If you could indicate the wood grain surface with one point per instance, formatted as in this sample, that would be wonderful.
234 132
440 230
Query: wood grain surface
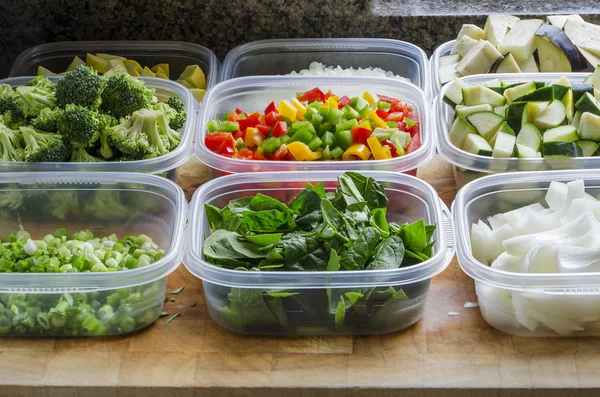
440 356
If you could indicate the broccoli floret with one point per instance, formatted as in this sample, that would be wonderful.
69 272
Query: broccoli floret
80 126
39 93
10 144
105 149
63 203
80 155
47 120
129 138
43 146
81 86
106 201
166 131
11 104
176 103
176 118
124 94
11 199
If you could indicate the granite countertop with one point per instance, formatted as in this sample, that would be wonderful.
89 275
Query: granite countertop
224 25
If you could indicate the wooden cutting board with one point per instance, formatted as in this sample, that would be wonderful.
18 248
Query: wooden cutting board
441 356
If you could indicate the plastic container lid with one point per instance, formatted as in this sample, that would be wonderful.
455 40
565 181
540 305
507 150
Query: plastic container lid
169 224
57 56
156 165
460 158
232 186
517 185
255 93
282 56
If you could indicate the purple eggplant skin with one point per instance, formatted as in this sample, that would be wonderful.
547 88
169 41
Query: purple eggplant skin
560 39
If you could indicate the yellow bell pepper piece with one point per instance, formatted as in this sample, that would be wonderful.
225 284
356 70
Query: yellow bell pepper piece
302 152
369 98
377 150
365 124
388 151
253 137
163 66
332 102
287 110
300 109
377 120
357 150
259 151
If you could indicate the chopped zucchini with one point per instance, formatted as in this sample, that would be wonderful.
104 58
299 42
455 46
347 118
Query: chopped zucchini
563 133
486 123
588 148
454 94
589 126
501 110
511 94
459 131
576 119
540 94
525 152
477 145
569 105
479 94
530 136
553 116
561 150
580 89
504 146
534 109
464 111
517 115
587 103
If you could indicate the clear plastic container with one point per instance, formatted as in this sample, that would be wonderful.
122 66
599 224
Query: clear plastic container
255 93
526 304
57 56
166 164
309 312
468 166
283 56
131 204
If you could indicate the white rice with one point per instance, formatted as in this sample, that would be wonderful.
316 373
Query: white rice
319 69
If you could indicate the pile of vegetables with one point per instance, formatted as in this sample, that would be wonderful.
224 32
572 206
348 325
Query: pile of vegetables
74 314
527 120
561 237
318 126
345 230
84 117
192 76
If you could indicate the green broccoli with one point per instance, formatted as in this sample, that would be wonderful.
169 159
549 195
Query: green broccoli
37 94
11 104
10 144
80 126
11 199
107 201
47 120
43 146
173 109
81 155
129 137
124 94
166 131
63 203
81 86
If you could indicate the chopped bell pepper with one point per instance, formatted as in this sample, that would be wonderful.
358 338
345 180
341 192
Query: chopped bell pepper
263 129
348 125
414 144
270 145
253 137
377 120
358 151
272 118
343 102
344 139
300 109
360 135
279 129
332 103
251 121
271 108
220 143
337 153
312 95
223 126
302 152
393 148
382 113
377 150
369 98
287 110
365 124
279 154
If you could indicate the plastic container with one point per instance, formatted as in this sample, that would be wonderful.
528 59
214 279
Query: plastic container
57 56
506 299
283 56
255 93
468 167
308 312
166 164
41 203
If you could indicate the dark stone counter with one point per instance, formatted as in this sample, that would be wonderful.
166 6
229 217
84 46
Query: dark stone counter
222 25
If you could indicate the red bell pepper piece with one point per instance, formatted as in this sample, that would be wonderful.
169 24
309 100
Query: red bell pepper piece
360 135
272 118
251 121
327 95
244 152
233 116
414 144
216 139
239 134
343 102
393 149
397 105
279 154
279 129
414 130
239 111
395 116
263 129
312 95
382 114
271 108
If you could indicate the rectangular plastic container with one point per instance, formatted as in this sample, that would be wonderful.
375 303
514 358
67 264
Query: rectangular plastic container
468 166
526 304
131 204
308 312
57 56
166 164
283 56
255 93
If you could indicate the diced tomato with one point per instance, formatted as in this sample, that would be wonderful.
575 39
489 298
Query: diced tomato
251 121
393 150
216 139
361 135
312 95
414 144
414 130
271 108
343 102
272 118
395 116
382 114
263 129
233 116
279 129
279 154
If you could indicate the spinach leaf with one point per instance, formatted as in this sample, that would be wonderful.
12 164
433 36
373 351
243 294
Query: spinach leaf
305 202
319 188
350 193
214 216
260 202
333 265
356 256
245 248
304 252
231 221
429 230
414 236
239 205
388 254
378 220
372 191
248 308
264 239
340 315
267 221
334 218
217 246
